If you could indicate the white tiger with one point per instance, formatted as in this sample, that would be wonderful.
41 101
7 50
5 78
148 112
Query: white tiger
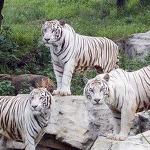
24 117
71 51
124 92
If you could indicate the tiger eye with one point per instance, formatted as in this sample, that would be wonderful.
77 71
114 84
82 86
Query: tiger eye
91 90
106 94
44 30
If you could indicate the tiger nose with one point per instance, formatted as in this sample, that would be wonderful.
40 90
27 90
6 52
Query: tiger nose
34 106
97 100
46 39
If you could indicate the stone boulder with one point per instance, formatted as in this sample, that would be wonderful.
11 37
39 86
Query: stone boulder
76 122
141 123
136 46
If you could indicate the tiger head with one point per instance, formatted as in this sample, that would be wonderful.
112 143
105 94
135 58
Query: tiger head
97 90
40 101
52 31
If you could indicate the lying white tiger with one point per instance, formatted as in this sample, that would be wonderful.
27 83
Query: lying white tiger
124 92
71 51
24 117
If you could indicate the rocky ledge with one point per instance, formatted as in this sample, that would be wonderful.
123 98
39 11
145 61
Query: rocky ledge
138 142
136 46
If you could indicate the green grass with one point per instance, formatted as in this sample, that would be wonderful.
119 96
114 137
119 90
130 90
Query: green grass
88 17
91 17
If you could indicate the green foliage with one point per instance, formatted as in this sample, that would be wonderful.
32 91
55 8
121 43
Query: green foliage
8 50
133 64
90 17
132 3
6 88
78 81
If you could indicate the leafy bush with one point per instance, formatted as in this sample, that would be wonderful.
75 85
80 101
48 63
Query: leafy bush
8 49
6 88
133 64
78 81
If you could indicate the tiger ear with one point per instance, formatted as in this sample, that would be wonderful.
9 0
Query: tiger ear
106 77
62 22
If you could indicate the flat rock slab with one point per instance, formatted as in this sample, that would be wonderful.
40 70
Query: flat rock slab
139 142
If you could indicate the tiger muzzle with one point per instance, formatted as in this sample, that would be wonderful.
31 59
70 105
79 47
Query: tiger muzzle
97 100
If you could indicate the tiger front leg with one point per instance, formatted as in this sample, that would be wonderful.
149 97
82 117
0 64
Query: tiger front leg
30 147
66 79
29 143
116 125
58 70
127 117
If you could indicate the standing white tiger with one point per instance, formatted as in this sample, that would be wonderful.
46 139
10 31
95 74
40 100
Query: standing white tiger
24 117
124 92
71 51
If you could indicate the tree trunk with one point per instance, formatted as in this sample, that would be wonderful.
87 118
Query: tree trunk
1 7
120 6
120 3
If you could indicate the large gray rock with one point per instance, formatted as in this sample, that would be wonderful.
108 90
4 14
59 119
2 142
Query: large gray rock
76 122
137 45
141 123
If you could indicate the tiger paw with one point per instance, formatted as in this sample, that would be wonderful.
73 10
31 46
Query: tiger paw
110 136
65 92
56 92
117 137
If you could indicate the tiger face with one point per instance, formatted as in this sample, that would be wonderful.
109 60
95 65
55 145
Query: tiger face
52 31
97 90
40 101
